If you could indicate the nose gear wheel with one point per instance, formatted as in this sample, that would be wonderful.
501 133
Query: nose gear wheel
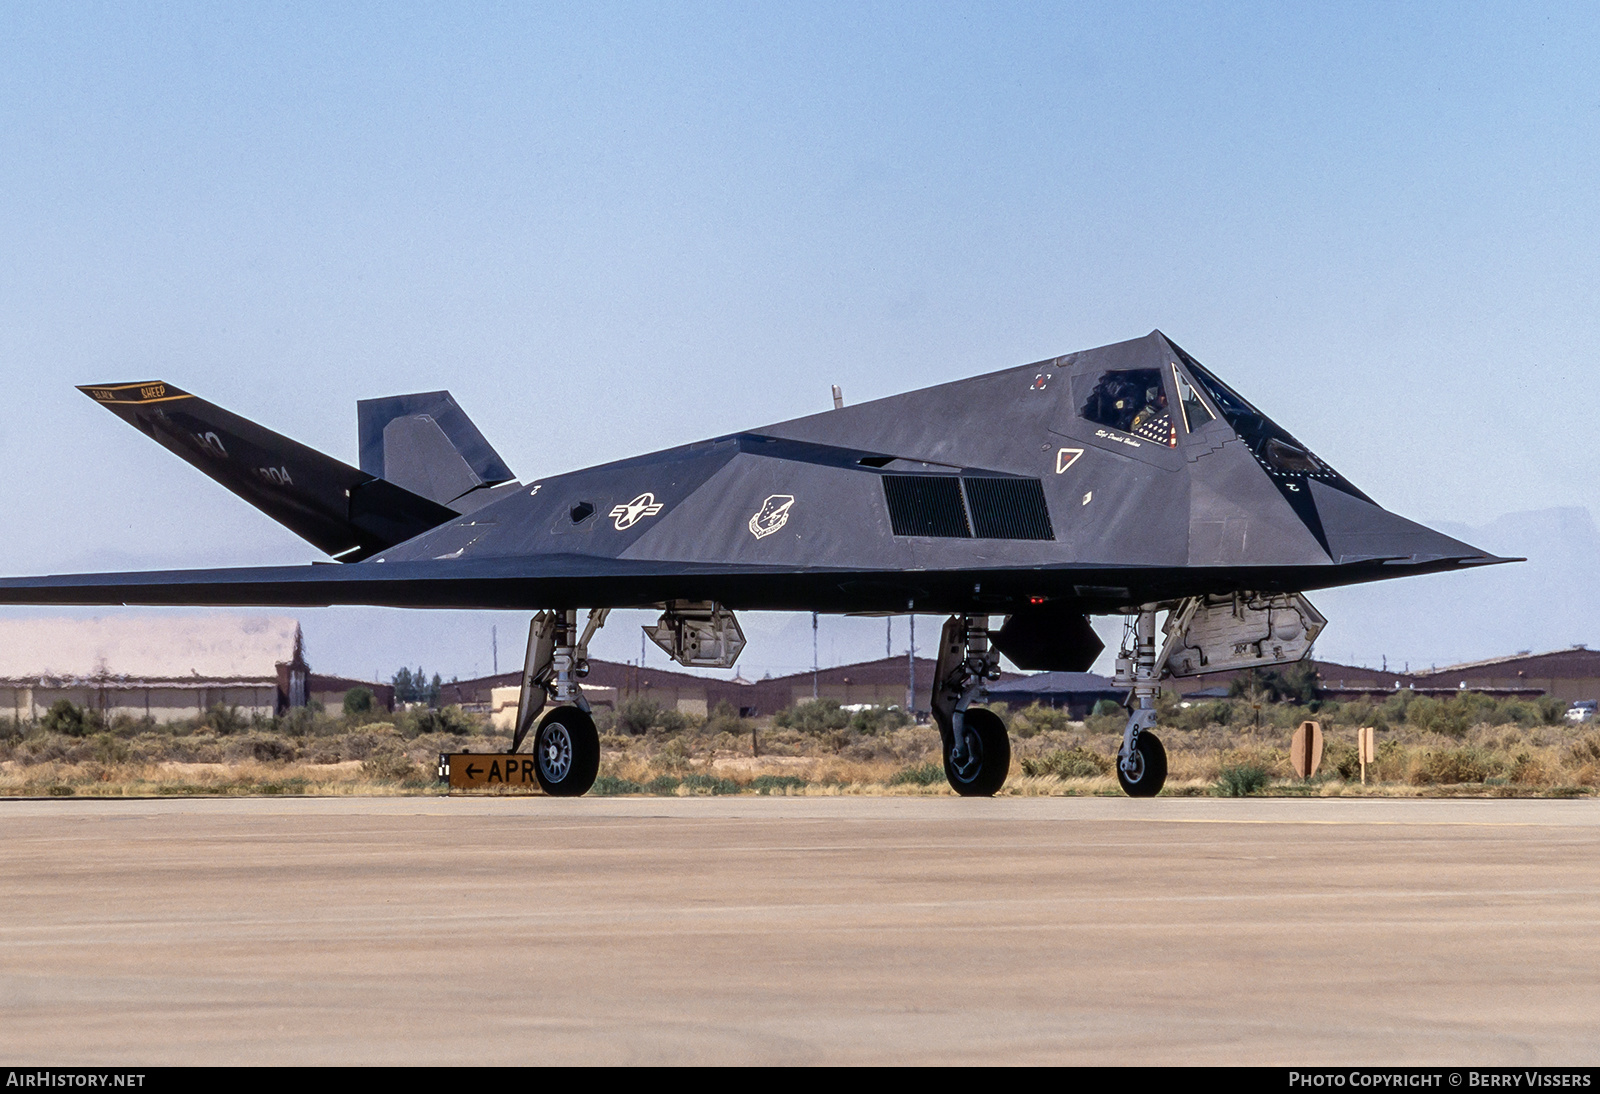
1149 764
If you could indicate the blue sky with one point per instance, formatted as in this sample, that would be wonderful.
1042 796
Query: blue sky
609 229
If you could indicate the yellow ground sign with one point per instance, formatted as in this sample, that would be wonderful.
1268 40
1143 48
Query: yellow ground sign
488 771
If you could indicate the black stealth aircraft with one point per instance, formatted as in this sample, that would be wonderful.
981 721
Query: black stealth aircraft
1121 480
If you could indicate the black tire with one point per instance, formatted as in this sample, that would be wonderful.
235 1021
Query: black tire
989 751
566 753
1150 773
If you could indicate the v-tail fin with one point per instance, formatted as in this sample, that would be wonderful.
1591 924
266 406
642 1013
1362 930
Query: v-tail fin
345 512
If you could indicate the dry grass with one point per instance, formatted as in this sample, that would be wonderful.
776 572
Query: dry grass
1051 756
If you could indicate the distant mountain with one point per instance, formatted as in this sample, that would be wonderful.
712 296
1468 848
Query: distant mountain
1549 602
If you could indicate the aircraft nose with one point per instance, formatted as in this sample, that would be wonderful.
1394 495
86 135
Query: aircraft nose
1355 530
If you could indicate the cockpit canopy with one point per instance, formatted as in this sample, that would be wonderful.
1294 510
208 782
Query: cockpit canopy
1150 403
1133 401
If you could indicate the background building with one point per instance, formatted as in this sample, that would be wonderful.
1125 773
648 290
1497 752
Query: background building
165 667
1569 675
869 683
1074 692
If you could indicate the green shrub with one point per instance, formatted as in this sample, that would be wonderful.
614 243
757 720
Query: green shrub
1358 712
879 719
1450 717
1585 750
725 719
766 784
1341 759
813 716
415 723
1242 780
921 775
1444 766
1552 710
1295 683
1199 715
663 784
273 750
300 722
1071 763
68 719
1035 718
709 784
109 750
358 701
1110 722
638 716
674 755
224 719
609 785
388 762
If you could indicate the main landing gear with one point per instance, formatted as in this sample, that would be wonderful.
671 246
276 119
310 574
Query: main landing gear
566 752
566 747
977 752
1142 761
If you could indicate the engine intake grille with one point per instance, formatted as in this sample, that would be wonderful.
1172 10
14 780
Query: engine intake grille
955 507
1008 508
926 505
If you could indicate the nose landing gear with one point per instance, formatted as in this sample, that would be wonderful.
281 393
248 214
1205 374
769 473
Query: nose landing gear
1142 761
1144 776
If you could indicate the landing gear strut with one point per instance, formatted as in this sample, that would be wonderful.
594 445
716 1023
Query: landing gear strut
1142 761
567 746
977 752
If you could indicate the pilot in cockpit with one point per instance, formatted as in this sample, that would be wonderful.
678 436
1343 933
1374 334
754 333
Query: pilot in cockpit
1155 405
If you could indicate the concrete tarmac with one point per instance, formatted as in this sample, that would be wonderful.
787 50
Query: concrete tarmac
800 930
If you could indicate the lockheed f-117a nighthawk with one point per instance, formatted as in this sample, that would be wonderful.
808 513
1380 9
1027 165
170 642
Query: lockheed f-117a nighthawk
1121 480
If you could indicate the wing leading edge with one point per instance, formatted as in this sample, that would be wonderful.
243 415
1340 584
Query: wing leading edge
592 581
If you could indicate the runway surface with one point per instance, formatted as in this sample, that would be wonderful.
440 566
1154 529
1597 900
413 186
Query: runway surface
800 930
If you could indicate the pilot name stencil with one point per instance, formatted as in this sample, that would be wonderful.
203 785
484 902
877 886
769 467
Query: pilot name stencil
1110 436
772 516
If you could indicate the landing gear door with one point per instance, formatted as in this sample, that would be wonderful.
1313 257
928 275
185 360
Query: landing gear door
1239 631
698 634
